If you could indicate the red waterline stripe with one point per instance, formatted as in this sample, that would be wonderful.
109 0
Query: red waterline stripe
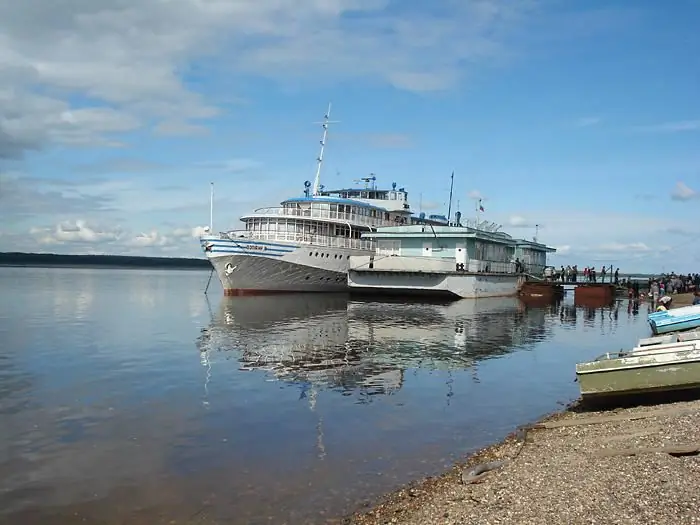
253 291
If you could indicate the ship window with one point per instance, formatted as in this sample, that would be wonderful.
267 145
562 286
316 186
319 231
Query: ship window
311 254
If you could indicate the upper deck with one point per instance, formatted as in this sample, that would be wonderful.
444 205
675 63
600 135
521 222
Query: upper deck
395 200
366 207
332 209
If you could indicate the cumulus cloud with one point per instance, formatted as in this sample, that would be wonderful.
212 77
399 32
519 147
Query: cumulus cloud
636 241
85 237
78 231
616 247
22 197
517 221
190 233
125 60
683 193
147 240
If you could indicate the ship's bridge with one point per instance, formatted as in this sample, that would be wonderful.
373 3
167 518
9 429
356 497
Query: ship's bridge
394 200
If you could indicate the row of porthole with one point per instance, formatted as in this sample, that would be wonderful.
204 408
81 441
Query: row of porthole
337 279
327 255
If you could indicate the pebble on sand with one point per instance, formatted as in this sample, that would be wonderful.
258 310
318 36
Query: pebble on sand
572 468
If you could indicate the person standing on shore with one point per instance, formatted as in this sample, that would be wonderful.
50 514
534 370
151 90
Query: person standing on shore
696 299
654 289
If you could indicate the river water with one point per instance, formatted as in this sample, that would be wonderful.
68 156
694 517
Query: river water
128 396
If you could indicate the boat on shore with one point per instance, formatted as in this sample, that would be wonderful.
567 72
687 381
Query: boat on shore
650 369
661 363
675 319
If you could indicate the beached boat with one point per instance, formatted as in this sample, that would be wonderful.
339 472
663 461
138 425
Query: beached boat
674 320
654 368
676 337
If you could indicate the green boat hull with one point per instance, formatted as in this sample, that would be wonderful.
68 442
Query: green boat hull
639 374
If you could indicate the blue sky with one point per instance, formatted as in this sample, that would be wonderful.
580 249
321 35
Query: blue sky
582 117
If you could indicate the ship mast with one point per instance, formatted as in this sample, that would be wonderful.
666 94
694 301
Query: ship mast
319 160
449 206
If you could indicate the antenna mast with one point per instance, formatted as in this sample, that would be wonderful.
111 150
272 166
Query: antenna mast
319 160
537 231
449 206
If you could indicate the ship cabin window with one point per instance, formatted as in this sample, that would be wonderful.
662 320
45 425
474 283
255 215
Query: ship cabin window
486 251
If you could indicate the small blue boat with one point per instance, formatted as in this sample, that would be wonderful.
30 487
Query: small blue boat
675 320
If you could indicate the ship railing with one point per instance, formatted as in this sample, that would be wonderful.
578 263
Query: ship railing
320 213
476 265
325 241
485 266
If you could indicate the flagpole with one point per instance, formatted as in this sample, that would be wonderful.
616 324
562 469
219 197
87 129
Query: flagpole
477 209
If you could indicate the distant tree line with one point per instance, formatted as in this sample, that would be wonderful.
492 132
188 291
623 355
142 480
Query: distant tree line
126 261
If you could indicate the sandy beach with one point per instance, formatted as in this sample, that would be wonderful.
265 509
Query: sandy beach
682 299
633 465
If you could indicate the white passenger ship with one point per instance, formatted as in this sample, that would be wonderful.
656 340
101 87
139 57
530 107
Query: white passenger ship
304 245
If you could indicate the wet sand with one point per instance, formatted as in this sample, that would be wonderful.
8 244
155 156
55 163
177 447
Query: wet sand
682 299
572 467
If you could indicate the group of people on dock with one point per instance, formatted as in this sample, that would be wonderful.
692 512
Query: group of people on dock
672 283
661 290
569 274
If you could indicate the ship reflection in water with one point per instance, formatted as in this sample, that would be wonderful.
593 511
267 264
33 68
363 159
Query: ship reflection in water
363 348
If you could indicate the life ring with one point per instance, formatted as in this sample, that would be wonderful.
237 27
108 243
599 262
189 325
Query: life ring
229 268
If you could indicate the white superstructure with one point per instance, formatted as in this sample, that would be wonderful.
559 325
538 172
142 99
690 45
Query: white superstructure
305 243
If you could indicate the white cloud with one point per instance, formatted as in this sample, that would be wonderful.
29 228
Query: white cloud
75 232
517 221
634 241
683 193
475 194
585 122
671 127
147 240
125 60
82 237
190 233
618 247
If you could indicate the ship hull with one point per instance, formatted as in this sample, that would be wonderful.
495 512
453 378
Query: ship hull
256 268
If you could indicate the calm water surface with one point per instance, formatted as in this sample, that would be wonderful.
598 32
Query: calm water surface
127 396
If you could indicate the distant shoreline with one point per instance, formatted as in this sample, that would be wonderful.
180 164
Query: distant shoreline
51 260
